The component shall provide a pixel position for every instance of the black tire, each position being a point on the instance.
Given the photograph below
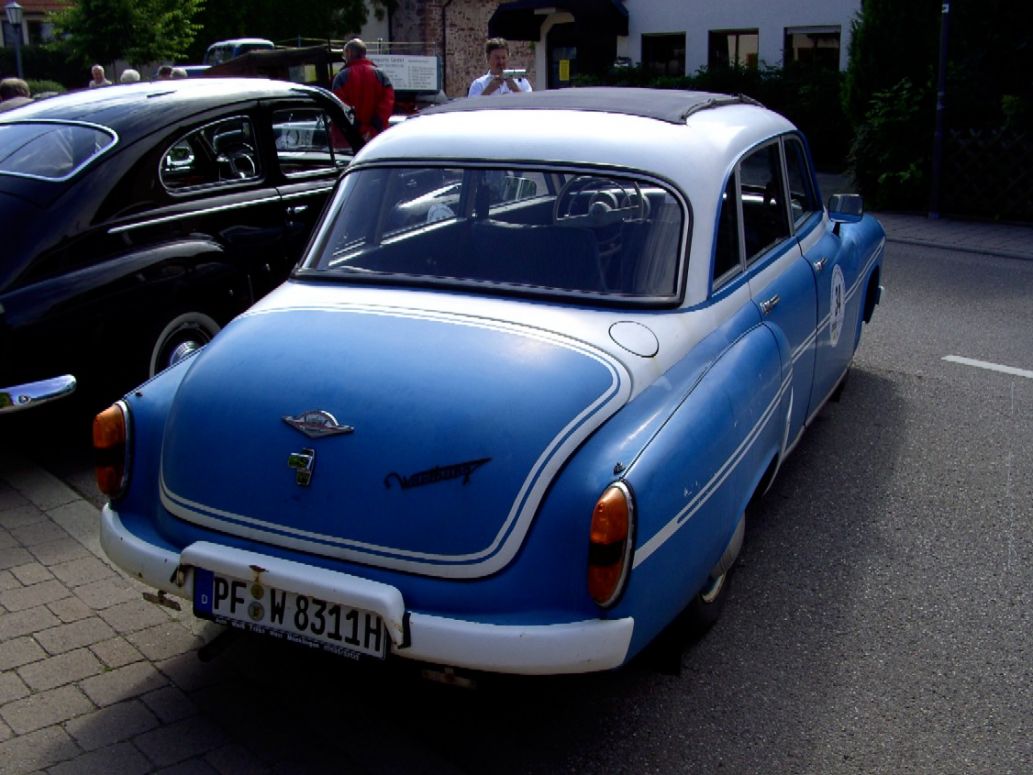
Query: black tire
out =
(181, 336)
(706, 607)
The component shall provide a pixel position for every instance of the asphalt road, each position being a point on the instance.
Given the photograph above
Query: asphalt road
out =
(880, 618)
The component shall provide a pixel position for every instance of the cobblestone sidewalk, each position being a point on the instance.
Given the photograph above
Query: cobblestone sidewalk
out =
(92, 677)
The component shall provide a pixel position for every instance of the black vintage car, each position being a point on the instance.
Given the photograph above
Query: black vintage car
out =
(136, 220)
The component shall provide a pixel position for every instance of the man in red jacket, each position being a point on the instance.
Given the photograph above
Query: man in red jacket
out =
(366, 88)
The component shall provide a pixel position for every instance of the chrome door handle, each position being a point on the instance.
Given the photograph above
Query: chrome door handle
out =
(769, 304)
(297, 209)
(820, 264)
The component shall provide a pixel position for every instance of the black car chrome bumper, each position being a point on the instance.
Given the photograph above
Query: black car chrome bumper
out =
(31, 394)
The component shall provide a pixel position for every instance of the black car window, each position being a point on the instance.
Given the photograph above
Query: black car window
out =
(765, 218)
(727, 261)
(50, 150)
(305, 142)
(221, 153)
(802, 198)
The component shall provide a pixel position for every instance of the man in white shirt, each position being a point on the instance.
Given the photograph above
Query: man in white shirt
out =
(496, 80)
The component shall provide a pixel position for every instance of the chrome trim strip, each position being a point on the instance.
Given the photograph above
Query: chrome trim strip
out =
(305, 194)
(191, 214)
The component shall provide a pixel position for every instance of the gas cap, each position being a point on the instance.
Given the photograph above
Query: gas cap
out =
(635, 338)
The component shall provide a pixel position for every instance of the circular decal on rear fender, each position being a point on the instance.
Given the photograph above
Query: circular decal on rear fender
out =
(837, 305)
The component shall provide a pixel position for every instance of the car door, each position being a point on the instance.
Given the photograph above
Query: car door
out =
(218, 185)
(834, 273)
(781, 280)
(165, 240)
(309, 163)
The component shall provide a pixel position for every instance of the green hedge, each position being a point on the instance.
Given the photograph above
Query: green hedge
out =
(43, 63)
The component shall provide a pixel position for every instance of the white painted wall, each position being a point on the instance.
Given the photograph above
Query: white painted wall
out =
(696, 18)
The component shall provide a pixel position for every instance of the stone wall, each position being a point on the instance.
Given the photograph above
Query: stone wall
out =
(465, 30)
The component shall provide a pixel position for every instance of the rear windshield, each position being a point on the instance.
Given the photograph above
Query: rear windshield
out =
(558, 232)
(50, 150)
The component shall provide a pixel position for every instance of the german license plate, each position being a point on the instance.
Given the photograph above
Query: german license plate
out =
(283, 614)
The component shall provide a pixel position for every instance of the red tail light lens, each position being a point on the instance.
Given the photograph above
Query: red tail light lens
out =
(609, 544)
(110, 434)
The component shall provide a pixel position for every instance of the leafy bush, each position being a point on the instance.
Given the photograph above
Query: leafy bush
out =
(891, 151)
(45, 87)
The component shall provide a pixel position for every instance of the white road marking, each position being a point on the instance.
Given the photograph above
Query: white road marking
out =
(989, 366)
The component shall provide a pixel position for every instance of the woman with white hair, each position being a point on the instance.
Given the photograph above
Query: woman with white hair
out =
(129, 75)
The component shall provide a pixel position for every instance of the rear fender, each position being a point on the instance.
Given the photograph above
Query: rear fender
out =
(83, 319)
(695, 477)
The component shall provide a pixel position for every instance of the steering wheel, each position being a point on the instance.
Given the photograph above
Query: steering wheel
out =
(593, 202)
(240, 162)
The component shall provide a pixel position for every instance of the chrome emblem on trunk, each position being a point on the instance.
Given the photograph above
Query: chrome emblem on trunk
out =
(317, 423)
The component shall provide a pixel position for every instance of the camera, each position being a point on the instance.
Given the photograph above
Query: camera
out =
(517, 73)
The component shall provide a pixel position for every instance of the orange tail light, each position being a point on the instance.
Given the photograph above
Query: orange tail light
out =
(609, 544)
(110, 433)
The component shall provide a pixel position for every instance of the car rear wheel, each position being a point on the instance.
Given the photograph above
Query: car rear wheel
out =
(183, 335)
(706, 606)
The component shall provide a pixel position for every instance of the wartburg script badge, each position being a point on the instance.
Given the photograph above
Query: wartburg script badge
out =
(317, 423)
(437, 474)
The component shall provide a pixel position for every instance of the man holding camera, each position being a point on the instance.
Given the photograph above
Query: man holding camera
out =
(499, 80)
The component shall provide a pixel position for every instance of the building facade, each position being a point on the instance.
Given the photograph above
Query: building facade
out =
(556, 40)
(35, 27)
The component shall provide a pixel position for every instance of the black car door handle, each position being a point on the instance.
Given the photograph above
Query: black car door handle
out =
(297, 209)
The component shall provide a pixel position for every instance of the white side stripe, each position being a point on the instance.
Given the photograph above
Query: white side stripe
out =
(989, 366)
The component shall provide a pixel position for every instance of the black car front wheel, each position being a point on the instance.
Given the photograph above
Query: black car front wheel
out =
(183, 335)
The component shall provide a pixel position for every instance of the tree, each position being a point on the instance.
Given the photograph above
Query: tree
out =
(315, 19)
(136, 30)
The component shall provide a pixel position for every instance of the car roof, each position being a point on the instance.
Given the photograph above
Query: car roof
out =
(690, 138)
(670, 105)
(118, 107)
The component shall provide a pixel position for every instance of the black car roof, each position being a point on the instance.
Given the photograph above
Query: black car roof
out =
(670, 105)
(118, 107)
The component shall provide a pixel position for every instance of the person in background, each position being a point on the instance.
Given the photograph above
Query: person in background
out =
(14, 92)
(129, 75)
(164, 73)
(495, 81)
(178, 72)
(97, 71)
(366, 88)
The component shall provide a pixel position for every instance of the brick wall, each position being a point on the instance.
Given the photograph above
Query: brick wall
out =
(466, 29)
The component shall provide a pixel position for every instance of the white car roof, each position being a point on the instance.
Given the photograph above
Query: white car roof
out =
(692, 139)
(674, 134)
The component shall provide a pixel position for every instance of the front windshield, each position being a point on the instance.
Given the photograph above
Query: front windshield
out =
(569, 232)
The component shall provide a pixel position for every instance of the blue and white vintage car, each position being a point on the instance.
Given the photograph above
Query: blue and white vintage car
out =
(508, 412)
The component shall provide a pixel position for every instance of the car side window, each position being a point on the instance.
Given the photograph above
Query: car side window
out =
(727, 255)
(304, 142)
(220, 153)
(765, 217)
(802, 198)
